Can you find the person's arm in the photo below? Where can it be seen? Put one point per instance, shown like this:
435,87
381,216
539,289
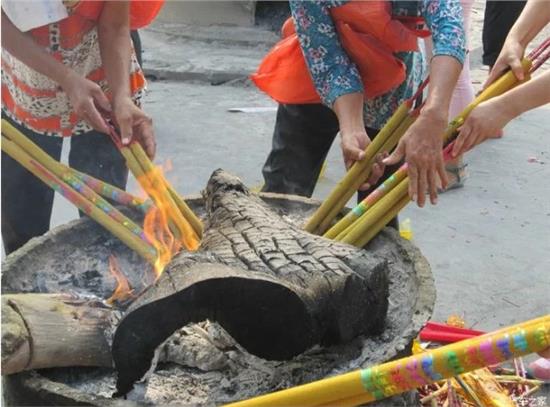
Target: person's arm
422,144
495,113
334,75
116,51
83,94
533,18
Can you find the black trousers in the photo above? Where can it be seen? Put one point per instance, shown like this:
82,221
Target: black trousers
27,202
499,18
302,139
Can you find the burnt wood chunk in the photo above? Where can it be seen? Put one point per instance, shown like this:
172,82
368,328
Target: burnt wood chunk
276,289
46,330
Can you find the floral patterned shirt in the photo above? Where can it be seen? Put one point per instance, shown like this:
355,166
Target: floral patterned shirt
334,74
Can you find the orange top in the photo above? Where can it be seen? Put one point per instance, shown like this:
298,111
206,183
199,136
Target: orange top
38,102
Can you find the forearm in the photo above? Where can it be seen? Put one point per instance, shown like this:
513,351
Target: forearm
349,110
115,47
525,97
444,72
25,49
534,17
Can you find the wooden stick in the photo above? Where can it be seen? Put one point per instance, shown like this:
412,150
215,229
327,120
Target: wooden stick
434,394
54,182
352,180
469,392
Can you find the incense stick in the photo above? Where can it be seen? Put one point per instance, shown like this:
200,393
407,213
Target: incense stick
111,192
398,376
79,200
68,177
352,180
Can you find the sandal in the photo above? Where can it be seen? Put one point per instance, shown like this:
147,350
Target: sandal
457,171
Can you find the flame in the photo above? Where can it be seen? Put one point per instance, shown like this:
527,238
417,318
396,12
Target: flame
122,291
164,225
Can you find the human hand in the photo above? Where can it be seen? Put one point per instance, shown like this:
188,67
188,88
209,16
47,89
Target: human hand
353,144
133,123
86,97
482,123
421,147
509,58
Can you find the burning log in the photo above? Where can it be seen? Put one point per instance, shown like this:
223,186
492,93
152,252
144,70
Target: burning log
277,289
45,330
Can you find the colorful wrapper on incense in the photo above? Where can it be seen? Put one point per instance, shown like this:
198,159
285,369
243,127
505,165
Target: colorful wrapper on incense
367,203
501,85
388,379
66,174
113,193
53,181
356,175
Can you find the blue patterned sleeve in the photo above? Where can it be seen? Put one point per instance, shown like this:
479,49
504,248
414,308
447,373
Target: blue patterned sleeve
445,21
332,71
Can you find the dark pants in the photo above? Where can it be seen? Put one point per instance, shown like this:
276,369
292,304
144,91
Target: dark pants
301,141
27,201
499,18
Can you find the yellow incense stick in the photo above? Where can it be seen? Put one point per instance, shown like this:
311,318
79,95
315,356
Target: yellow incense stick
366,204
392,141
398,376
340,204
382,222
387,146
505,82
156,181
187,213
56,183
369,218
61,171
352,180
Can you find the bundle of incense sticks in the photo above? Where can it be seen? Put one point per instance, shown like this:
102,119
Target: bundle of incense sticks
111,192
385,141
183,223
371,215
398,376
71,185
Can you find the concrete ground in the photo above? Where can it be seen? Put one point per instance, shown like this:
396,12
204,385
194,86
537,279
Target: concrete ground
488,243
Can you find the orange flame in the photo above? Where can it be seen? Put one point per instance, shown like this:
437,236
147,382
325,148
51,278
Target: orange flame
164,225
122,291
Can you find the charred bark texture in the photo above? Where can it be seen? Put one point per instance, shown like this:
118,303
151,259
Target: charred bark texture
276,289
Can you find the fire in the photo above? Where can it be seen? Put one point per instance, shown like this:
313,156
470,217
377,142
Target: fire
122,291
164,225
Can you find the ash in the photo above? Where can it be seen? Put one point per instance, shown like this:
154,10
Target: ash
202,364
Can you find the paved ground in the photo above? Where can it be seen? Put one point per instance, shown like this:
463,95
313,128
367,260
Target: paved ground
488,243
